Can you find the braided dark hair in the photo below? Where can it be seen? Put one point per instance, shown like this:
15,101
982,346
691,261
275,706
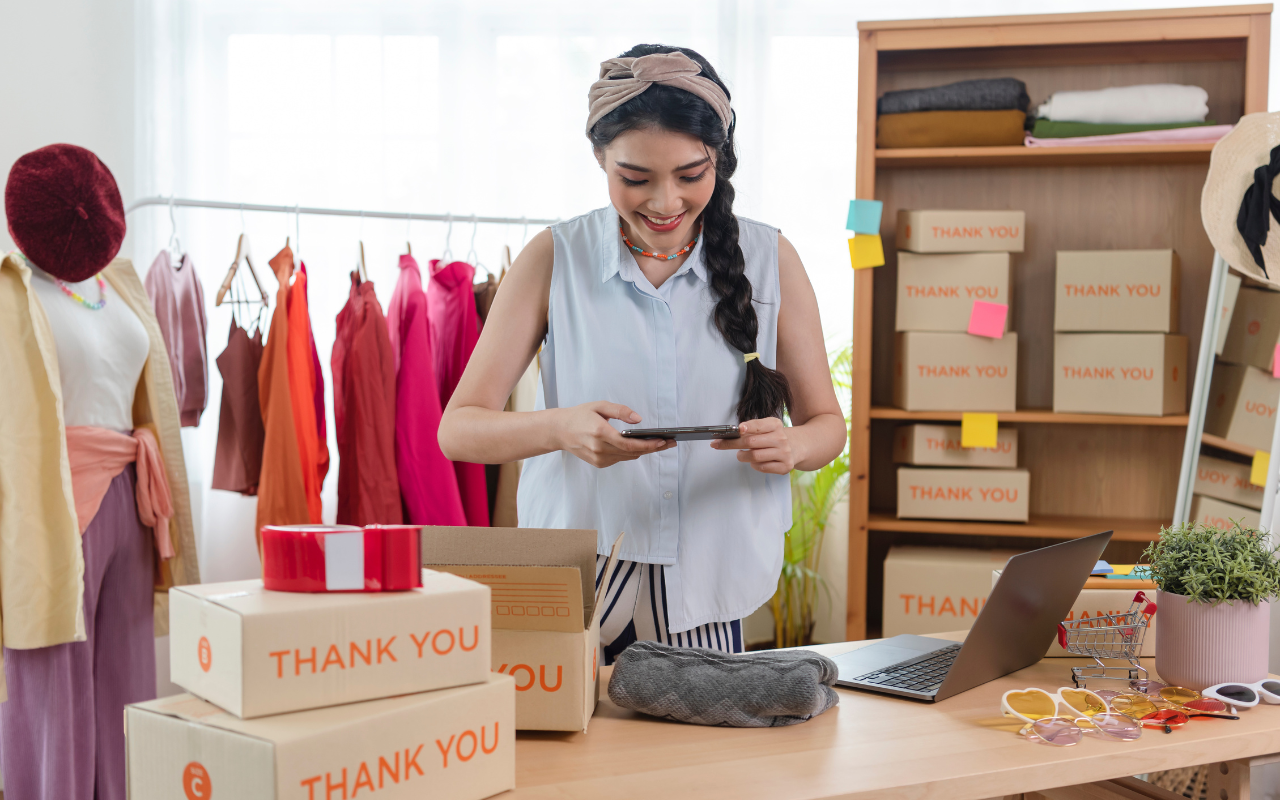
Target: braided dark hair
766,392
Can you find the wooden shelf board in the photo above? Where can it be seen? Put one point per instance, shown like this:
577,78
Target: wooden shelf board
1033,415
1226,444
1126,530
1019,156
1120,583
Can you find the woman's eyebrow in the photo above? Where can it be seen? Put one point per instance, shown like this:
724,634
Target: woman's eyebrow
680,168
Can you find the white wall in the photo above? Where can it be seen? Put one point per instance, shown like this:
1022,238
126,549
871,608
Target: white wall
69,78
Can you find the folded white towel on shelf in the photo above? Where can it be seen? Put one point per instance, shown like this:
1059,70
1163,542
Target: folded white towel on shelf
1129,105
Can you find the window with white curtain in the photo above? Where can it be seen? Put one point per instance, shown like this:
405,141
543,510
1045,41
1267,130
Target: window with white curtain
450,107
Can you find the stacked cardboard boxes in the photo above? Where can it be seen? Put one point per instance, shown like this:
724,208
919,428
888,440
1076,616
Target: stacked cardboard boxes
325,695
1116,349
1242,396
947,261
950,265
1241,406
545,613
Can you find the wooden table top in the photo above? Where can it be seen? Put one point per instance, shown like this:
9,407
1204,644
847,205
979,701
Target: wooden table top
869,746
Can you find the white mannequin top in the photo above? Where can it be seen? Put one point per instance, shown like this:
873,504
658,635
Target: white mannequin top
101,353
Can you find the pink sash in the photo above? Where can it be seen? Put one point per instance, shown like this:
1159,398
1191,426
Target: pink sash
98,455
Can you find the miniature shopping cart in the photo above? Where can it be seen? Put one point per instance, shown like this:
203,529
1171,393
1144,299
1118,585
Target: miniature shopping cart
1113,636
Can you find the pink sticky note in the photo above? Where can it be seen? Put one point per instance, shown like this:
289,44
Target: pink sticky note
987,319
1275,363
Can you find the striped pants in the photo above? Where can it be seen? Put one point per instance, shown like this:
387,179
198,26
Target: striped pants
635,609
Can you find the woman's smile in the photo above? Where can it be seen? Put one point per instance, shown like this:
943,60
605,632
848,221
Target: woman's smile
662,224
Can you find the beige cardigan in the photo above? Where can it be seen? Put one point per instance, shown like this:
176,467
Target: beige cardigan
41,562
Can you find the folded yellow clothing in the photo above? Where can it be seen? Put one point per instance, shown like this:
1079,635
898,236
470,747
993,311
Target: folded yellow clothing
950,129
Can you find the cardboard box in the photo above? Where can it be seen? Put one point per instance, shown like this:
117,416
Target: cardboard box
987,494
1242,405
256,652
1227,480
1120,373
456,743
961,231
1093,603
545,612
937,589
1220,514
1230,291
955,372
1116,290
1254,328
939,446
937,292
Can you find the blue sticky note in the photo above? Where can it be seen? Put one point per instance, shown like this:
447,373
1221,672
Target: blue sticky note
864,216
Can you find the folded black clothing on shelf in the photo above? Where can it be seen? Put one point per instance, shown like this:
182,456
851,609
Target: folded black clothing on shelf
988,94
766,689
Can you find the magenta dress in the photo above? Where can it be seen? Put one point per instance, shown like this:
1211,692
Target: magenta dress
455,329
428,481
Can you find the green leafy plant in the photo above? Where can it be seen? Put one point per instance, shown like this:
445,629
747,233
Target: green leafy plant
814,496
1208,564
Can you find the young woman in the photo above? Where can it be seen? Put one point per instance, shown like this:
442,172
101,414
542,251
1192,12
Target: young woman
665,309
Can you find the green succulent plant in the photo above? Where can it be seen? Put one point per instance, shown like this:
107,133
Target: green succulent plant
814,495
1208,564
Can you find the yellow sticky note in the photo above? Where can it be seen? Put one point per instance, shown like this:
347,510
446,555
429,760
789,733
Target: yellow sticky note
978,430
866,251
1261,463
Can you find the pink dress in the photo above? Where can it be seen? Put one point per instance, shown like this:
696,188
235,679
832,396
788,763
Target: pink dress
428,481
455,329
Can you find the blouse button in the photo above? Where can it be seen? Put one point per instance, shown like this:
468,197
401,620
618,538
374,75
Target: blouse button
667,495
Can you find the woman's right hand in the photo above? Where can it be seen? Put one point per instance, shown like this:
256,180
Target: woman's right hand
585,432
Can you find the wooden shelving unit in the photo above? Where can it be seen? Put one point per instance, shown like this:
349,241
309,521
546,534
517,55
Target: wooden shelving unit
1046,527
1227,444
1088,473
1043,156
1044,415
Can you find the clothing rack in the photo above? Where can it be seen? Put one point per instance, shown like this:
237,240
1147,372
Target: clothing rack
333,212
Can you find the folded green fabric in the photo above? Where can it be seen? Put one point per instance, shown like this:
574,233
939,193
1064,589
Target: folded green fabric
1051,129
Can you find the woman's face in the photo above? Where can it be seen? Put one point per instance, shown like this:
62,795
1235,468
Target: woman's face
659,182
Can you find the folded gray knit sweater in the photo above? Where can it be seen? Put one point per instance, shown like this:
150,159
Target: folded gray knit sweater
706,687
988,94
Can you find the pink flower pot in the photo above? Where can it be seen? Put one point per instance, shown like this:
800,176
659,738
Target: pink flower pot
1202,644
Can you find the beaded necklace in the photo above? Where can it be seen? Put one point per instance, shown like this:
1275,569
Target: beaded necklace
658,256
74,295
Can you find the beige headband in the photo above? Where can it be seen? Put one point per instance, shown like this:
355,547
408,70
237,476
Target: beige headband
624,78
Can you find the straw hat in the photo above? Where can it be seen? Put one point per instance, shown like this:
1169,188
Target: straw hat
1231,172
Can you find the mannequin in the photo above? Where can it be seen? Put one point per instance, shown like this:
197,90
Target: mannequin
95,514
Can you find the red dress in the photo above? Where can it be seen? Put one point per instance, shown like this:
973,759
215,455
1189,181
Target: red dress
364,410
455,329
428,481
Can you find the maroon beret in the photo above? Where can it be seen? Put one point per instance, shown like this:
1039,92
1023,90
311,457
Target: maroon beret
64,211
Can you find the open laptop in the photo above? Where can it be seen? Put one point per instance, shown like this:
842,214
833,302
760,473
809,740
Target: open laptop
1014,629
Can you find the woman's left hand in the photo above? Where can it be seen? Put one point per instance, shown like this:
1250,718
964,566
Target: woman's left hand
765,445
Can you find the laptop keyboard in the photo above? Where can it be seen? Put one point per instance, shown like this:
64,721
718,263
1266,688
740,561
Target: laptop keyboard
925,675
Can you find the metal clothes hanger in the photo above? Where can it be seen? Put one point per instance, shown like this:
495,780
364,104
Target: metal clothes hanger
447,255
175,245
360,268
472,257
408,245
242,253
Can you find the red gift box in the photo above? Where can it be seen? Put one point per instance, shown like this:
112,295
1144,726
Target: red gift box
340,558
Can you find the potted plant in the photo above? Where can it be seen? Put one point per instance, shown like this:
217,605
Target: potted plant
1214,588
814,496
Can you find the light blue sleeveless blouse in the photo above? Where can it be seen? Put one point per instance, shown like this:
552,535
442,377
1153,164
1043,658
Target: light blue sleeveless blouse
715,524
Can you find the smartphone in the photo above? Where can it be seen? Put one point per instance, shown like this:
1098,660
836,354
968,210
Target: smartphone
684,434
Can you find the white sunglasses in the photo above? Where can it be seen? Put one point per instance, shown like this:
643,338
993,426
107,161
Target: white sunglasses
1245,695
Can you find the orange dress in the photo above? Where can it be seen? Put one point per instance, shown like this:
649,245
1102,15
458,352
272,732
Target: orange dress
312,451
282,496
